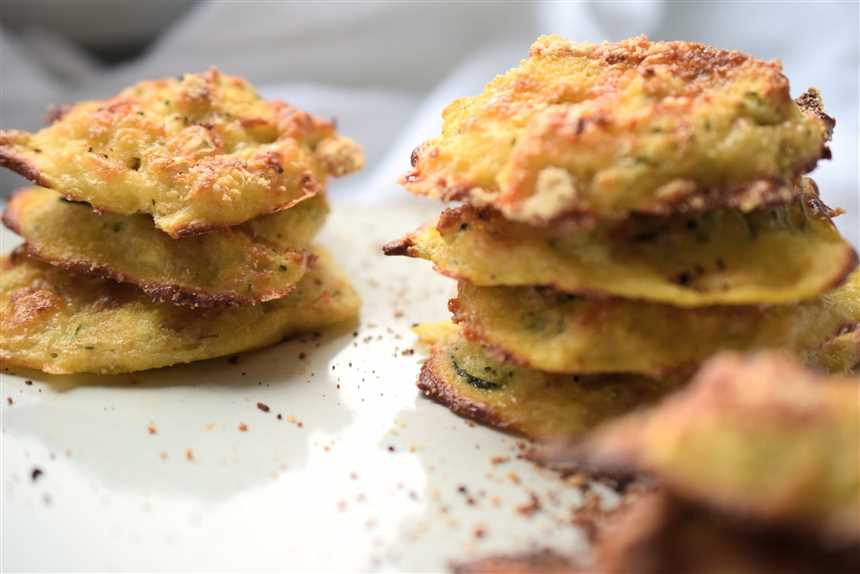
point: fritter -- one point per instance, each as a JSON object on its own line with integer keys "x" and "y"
{"x": 756, "y": 437}
{"x": 723, "y": 257}
{"x": 462, "y": 376}
{"x": 564, "y": 333}
{"x": 229, "y": 266}
{"x": 661, "y": 534}
{"x": 64, "y": 323}
{"x": 198, "y": 153}
{"x": 604, "y": 130}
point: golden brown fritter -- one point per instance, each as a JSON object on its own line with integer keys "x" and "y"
{"x": 197, "y": 153}
{"x": 756, "y": 437}
{"x": 603, "y": 130}
{"x": 725, "y": 257}
{"x": 63, "y": 323}
{"x": 232, "y": 266}
{"x": 563, "y": 333}
{"x": 462, "y": 376}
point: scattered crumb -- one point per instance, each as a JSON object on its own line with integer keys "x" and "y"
{"x": 28, "y": 382}
{"x": 189, "y": 454}
{"x": 151, "y": 429}
{"x": 408, "y": 352}
{"x": 499, "y": 459}
{"x": 530, "y": 507}
{"x": 243, "y": 427}
{"x": 233, "y": 360}
{"x": 263, "y": 407}
{"x": 10, "y": 401}
{"x": 163, "y": 456}
{"x": 36, "y": 473}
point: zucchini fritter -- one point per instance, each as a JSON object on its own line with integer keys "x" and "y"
{"x": 724, "y": 257}
{"x": 462, "y": 376}
{"x": 757, "y": 437}
{"x": 64, "y": 323}
{"x": 603, "y": 130}
{"x": 565, "y": 333}
{"x": 197, "y": 153}
{"x": 242, "y": 265}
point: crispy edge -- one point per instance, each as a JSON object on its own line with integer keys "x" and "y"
{"x": 21, "y": 165}
{"x": 174, "y": 294}
{"x": 437, "y": 389}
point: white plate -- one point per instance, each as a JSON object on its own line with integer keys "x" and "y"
{"x": 375, "y": 478}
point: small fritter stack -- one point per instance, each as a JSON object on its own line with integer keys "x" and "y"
{"x": 628, "y": 210}
{"x": 173, "y": 222}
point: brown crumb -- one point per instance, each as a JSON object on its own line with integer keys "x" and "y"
{"x": 530, "y": 507}
{"x": 36, "y": 473}
{"x": 499, "y": 460}
{"x": 151, "y": 429}
{"x": 480, "y": 532}
{"x": 233, "y": 360}
{"x": 243, "y": 427}
{"x": 303, "y": 356}
{"x": 163, "y": 456}
{"x": 189, "y": 454}
{"x": 263, "y": 407}
{"x": 280, "y": 417}
{"x": 28, "y": 382}
{"x": 408, "y": 352}
{"x": 10, "y": 401}
{"x": 514, "y": 477}
{"x": 398, "y": 313}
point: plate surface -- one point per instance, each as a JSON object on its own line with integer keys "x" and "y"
{"x": 154, "y": 471}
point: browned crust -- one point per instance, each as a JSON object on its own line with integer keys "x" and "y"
{"x": 438, "y": 390}
{"x": 543, "y": 561}
{"x": 22, "y": 166}
{"x": 770, "y": 192}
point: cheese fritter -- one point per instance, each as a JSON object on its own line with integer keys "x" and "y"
{"x": 756, "y": 437}
{"x": 603, "y": 130}
{"x": 723, "y": 257}
{"x": 235, "y": 266}
{"x": 462, "y": 376}
{"x": 564, "y": 333}
{"x": 198, "y": 153}
{"x": 64, "y": 323}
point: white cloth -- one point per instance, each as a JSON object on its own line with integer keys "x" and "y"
{"x": 386, "y": 69}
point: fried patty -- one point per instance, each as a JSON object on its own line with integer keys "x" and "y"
{"x": 757, "y": 437}
{"x": 725, "y": 257}
{"x": 242, "y": 265}
{"x": 563, "y": 333}
{"x": 461, "y": 375}
{"x": 198, "y": 153}
{"x": 62, "y": 323}
{"x": 604, "y": 130}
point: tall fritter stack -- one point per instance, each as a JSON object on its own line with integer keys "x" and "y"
{"x": 628, "y": 210}
{"x": 173, "y": 222}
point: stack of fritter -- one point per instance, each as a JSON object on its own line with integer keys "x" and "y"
{"x": 173, "y": 223}
{"x": 628, "y": 210}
